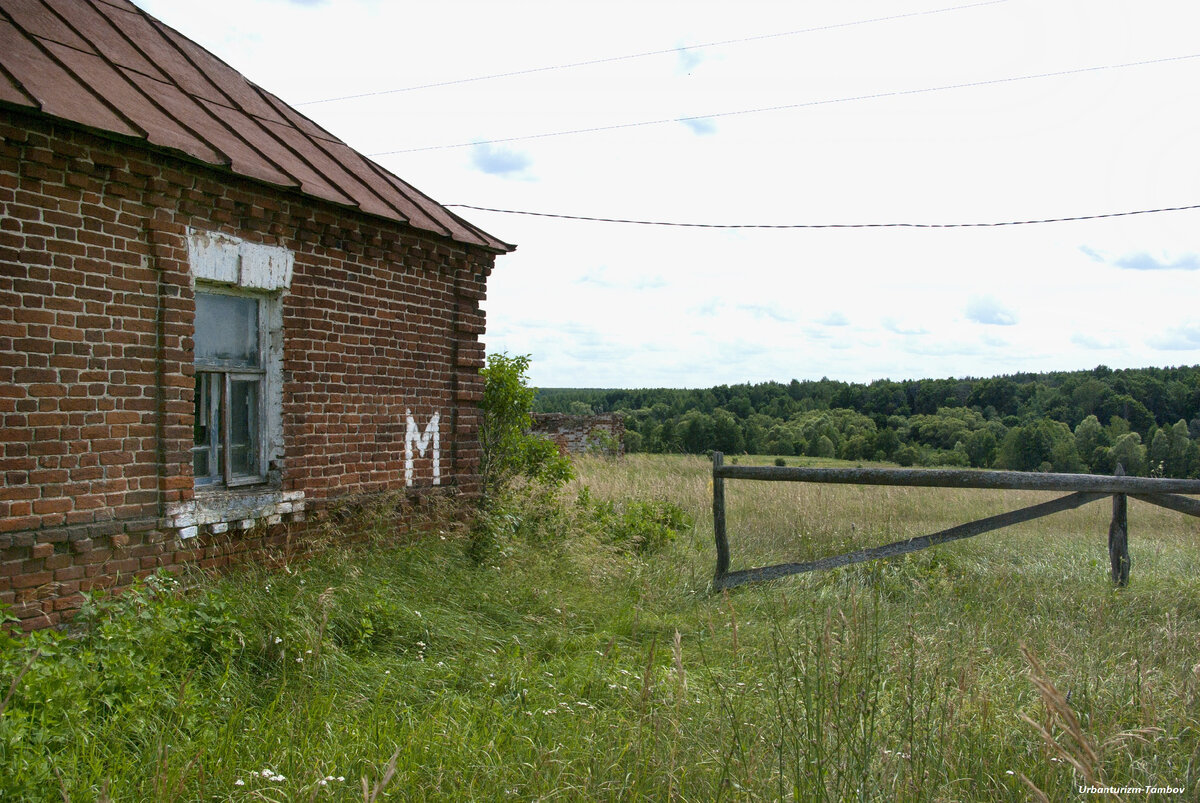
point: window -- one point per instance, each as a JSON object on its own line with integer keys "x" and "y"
{"x": 229, "y": 443}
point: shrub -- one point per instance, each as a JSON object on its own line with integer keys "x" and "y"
{"x": 640, "y": 527}
{"x": 509, "y": 450}
{"x": 125, "y": 674}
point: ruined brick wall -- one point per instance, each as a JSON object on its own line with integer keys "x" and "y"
{"x": 582, "y": 434}
{"x": 380, "y": 323}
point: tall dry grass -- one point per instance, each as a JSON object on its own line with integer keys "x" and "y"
{"x": 950, "y": 640}
{"x": 548, "y": 662}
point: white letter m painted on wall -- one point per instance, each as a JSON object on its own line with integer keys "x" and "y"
{"x": 414, "y": 437}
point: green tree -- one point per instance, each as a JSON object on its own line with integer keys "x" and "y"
{"x": 1192, "y": 460}
{"x": 957, "y": 456}
{"x": 1088, "y": 396}
{"x": 886, "y": 444}
{"x": 508, "y": 449}
{"x": 1064, "y": 457}
{"x": 1159, "y": 453}
{"x": 1039, "y": 445}
{"x": 1177, "y": 453}
{"x": 695, "y": 432}
{"x": 981, "y": 448}
{"x": 1088, "y": 436}
{"x": 1129, "y": 452}
{"x": 823, "y": 447}
{"x": 726, "y": 435}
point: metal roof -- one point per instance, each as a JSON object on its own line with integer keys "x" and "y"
{"x": 109, "y": 66}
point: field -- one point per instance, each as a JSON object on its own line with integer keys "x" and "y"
{"x": 545, "y": 657}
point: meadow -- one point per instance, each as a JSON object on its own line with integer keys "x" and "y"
{"x": 569, "y": 647}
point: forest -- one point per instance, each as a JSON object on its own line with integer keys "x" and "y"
{"x": 1145, "y": 419}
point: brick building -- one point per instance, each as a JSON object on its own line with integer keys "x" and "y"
{"x": 215, "y": 317}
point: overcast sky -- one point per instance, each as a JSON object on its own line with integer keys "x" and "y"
{"x": 879, "y": 129}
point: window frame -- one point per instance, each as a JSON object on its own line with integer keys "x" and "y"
{"x": 219, "y": 441}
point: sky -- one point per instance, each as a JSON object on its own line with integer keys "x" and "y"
{"x": 786, "y": 113}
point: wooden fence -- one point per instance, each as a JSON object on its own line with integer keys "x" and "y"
{"x": 1083, "y": 488}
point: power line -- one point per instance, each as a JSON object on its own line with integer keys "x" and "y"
{"x": 829, "y": 225}
{"x": 805, "y": 104}
{"x": 610, "y": 59}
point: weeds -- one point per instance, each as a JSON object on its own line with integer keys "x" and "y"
{"x": 562, "y": 660}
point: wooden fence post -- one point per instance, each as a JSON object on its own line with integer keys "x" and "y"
{"x": 718, "y": 484}
{"x": 1118, "y": 535}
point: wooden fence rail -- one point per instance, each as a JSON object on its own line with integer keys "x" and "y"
{"x": 1082, "y": 488}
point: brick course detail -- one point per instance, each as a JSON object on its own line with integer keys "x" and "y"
{"x": 381, "y": 322}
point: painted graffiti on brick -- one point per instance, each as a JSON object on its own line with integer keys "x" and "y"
{"x": 414, "y": 437}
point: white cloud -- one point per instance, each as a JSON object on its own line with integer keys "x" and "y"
{"x": 1143, "y": 260}
{"x": 1183, "y": 337}
{"x": 1146, "y": 260}
{"x": 888, "y": 157}
{"x": 700, "y": 125}
{"x": 689, "y": 59}
{"x": 987, "y": 310}
{"x": 834, "y": 319}
{"x": 903, "y": 328}
{"x": 499, "y": 161}
{"x": 763, "y": 311}
{"x": 1095, "y": 343}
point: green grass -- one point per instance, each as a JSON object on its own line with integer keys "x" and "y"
{"x": 541, "y": 660}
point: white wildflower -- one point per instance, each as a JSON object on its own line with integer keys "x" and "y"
{"x": 278, "y": 640}
{"x": 239, "y": 782}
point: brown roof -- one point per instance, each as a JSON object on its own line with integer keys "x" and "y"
{"x": 109, "y": 66}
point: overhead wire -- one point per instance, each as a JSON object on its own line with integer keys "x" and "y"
{"x": 988, "y": 224}
{"x": 645, "y": 54}
{"x": 804, "y": 104}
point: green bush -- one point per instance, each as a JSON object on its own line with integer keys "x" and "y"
{"x": 125, "y": 673}
{"x": 640, "y": 527}
{"x": 508, "y": 448}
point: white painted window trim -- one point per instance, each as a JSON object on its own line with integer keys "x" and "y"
{"x": 224, "y": 264}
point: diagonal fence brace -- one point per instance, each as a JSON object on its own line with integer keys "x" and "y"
{"x": 968, "y": 530}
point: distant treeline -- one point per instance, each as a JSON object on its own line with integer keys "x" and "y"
{"x": 1146, "y": 419}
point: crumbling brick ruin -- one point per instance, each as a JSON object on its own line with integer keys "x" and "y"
{"x": 583, "y": 434}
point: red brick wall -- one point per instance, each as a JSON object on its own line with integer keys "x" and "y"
{"x": 96, "y": 378}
